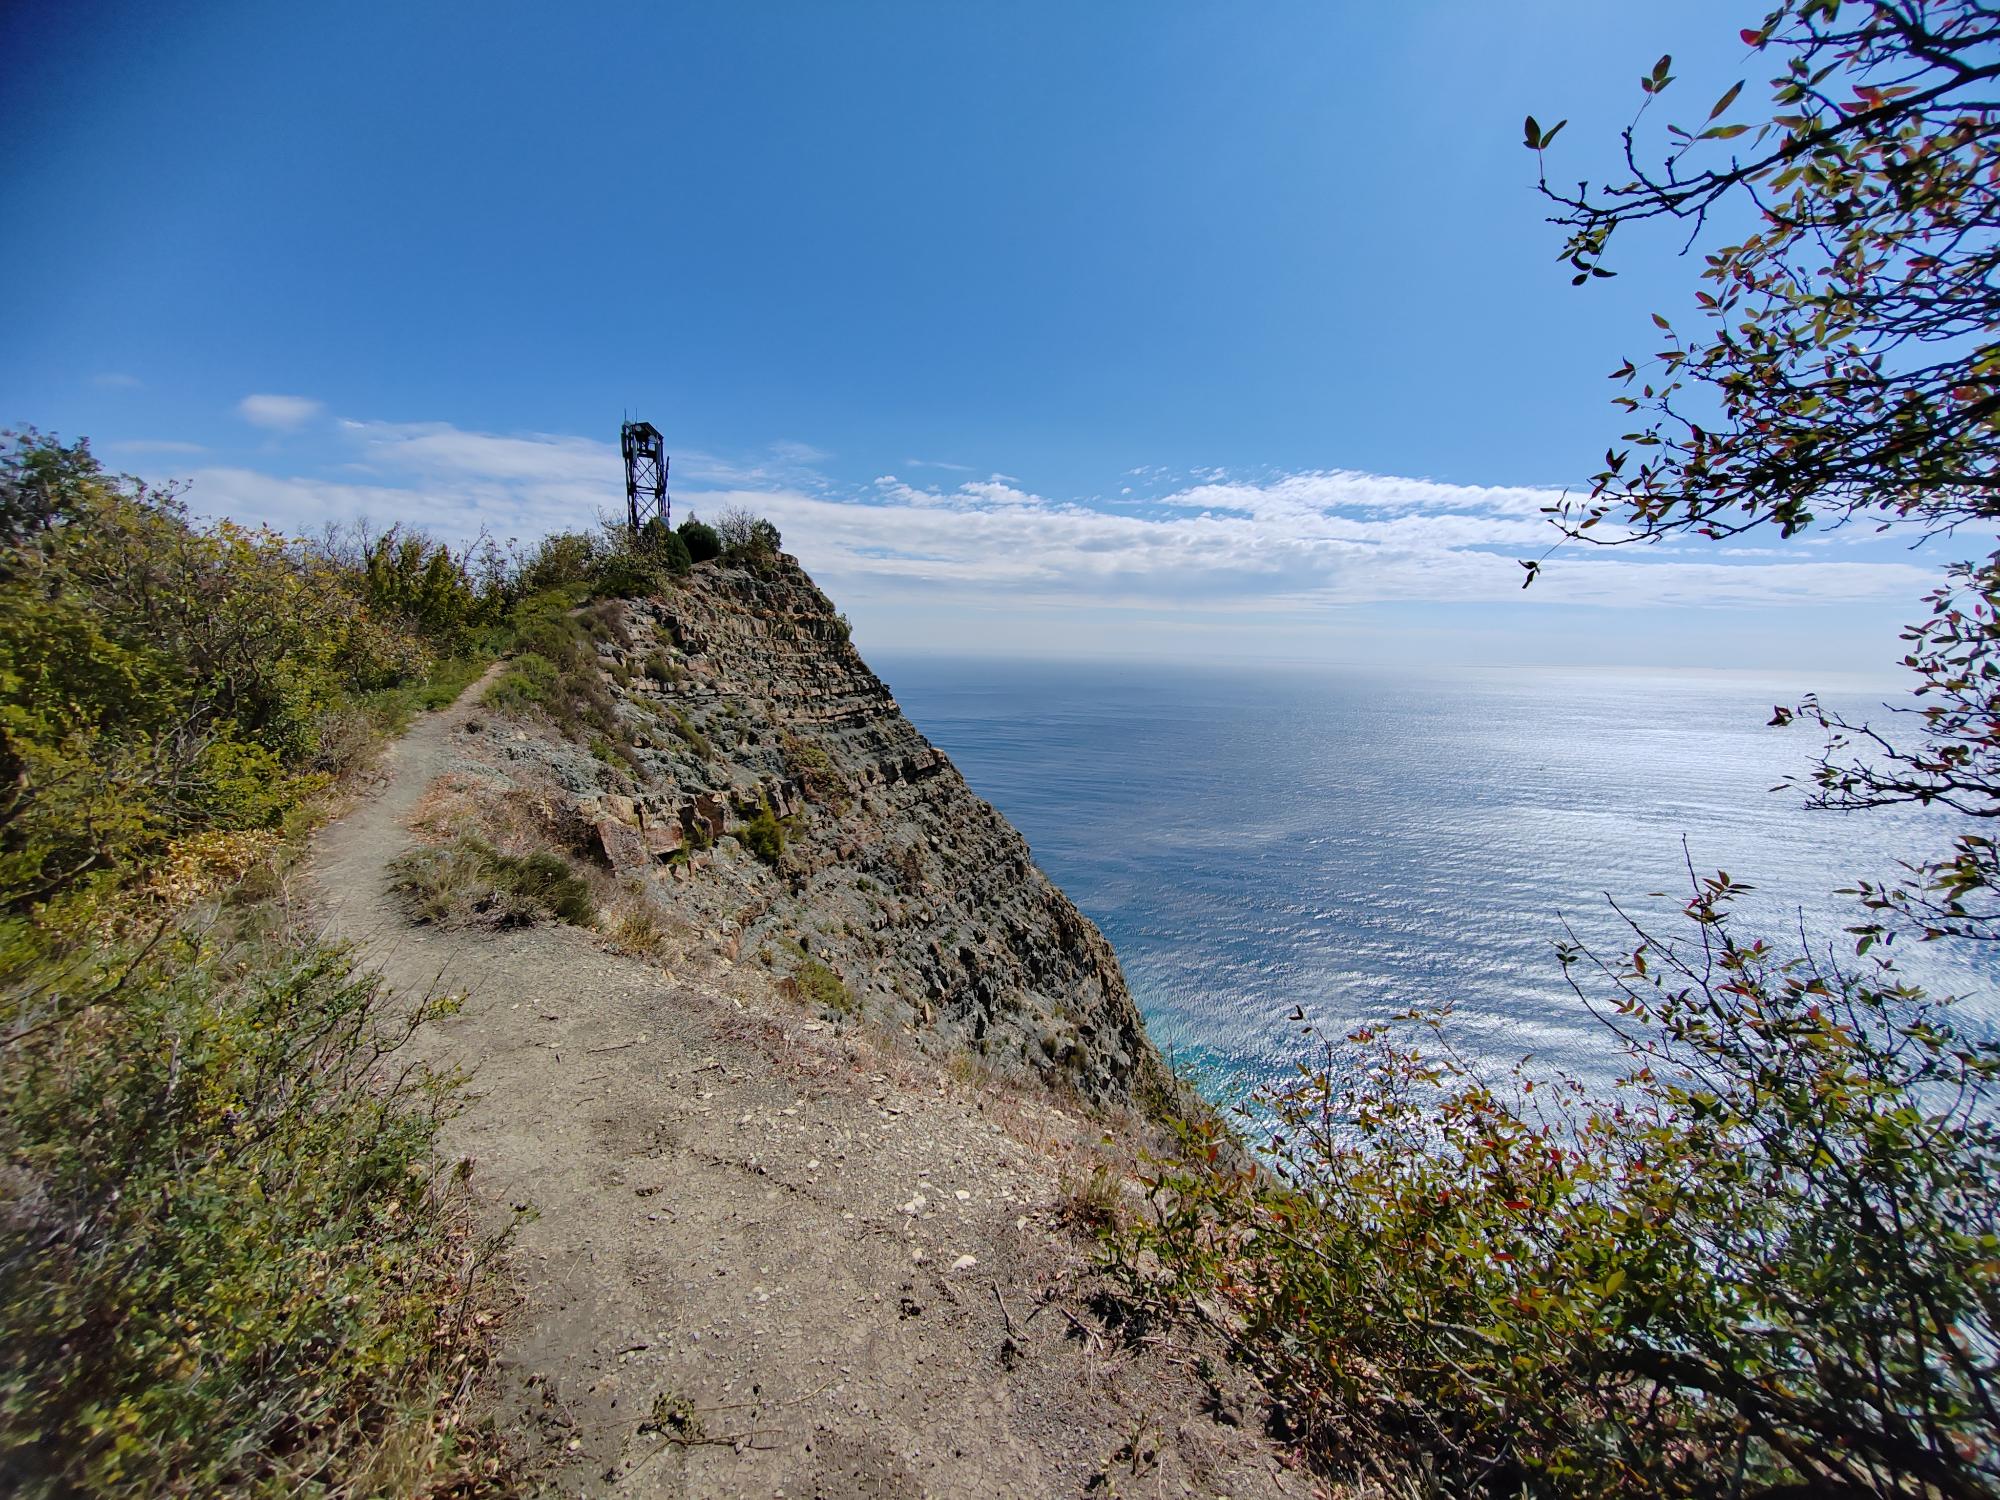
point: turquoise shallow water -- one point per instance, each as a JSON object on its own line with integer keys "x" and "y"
{"x": 1352, "y": 842}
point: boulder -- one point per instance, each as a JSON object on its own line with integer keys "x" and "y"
{"x": 711, "y": 811}
{"x": 664, "y": 837}
{"x": 623, "y": 848}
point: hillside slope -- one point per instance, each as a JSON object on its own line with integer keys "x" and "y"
{"x": 769, "y": 1250}
{"x": 738, "y": 690}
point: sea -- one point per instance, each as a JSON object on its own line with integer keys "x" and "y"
{"x": 1349, "y": 843}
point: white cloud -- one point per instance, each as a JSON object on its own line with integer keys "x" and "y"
{"x": 279, "y": 412}
{"x": 437, "y": 450}
{"x": 1298, "y": 547}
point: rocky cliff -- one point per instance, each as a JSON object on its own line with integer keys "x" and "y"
{"x": 765, "y": 792}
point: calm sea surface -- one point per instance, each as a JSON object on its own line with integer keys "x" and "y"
{"x": 1354, "y": 842}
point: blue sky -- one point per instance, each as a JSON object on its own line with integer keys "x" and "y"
{"x": 1177, "y": 329}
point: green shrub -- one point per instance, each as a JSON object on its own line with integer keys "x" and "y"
{"x": 528, "y": 682}
{"x": 406, "y": 574}
{"x": 763, "y": 835}
{"x": 696, "y": 740}
{"x": 564, "y": 562}
{"x": 1770, "y": 1256}
{"x": 604, "y": 621}
{"x": 665, "y": 546}
{"x": 560, "y": 673}
{"x": 746, "y": 536}
{"x": 700, "y": 539}
{"x": 230, "y": 1260}
{"x": 663, "y": 669}
{"x": 159, "y": 676}
{"x": 820, "y": 986}
{"x": 814, "y": 769}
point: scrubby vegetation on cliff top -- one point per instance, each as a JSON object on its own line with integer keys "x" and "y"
{"x": 231, "y": 1257}
{"x": 1768, "y": 1261}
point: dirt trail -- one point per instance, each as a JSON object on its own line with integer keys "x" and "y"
{"x": 763, "y": 1261}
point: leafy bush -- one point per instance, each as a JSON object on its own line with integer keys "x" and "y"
{"x": 763, "y": 835}
{"x": 665, "y": 546}
{"x": 1771, "y": 1255}
{"x": 627, "y": 571}
{"x": 232, "y": 1259}
{"x": 159, "y": 676}
{"x": 406, "y": 574}
{"x": 702, "y": 543}
{"x": 746, "y": 537}
{"x": 565, "y": 562}
{"x": 529, "y": 682}
{"x": 558, "y": 671}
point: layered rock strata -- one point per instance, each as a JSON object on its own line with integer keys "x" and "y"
{"x": 769, "y": 791}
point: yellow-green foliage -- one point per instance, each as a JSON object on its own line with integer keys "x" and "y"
{"x": 226, "y": 1265}
{"x": 225, "y": 1260}
{"x": 556, "y": 670}
{"x": 159, "y": 676}
{"x": 763, "y": 835}
{"x": 663, "y": 669}
{"x": 814, "y": 769}
{"x": 821, "y": 986}
{"x": 696, "y": 740}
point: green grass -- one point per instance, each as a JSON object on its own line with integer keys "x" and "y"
{"x": 696, "y": 740}
{"x": 391, "y": 709}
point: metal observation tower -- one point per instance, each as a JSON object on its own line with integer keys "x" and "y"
{"x": 645, "y": 474}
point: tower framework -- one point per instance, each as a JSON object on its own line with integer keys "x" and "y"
{"x": 645, "y": 474}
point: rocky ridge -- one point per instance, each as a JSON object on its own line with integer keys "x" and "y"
{"x": 769, "y": 797}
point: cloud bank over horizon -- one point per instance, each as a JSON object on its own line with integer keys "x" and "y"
{"x": 1164, "y": 553}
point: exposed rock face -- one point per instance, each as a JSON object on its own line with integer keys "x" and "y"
{"x": 739, "y": 692}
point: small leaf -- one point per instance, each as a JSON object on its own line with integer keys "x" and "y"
{"x": 1727, "y": 99}
{"x": 1751, "y": 38}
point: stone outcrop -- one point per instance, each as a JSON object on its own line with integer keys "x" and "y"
{"x": 738, "y": 693}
